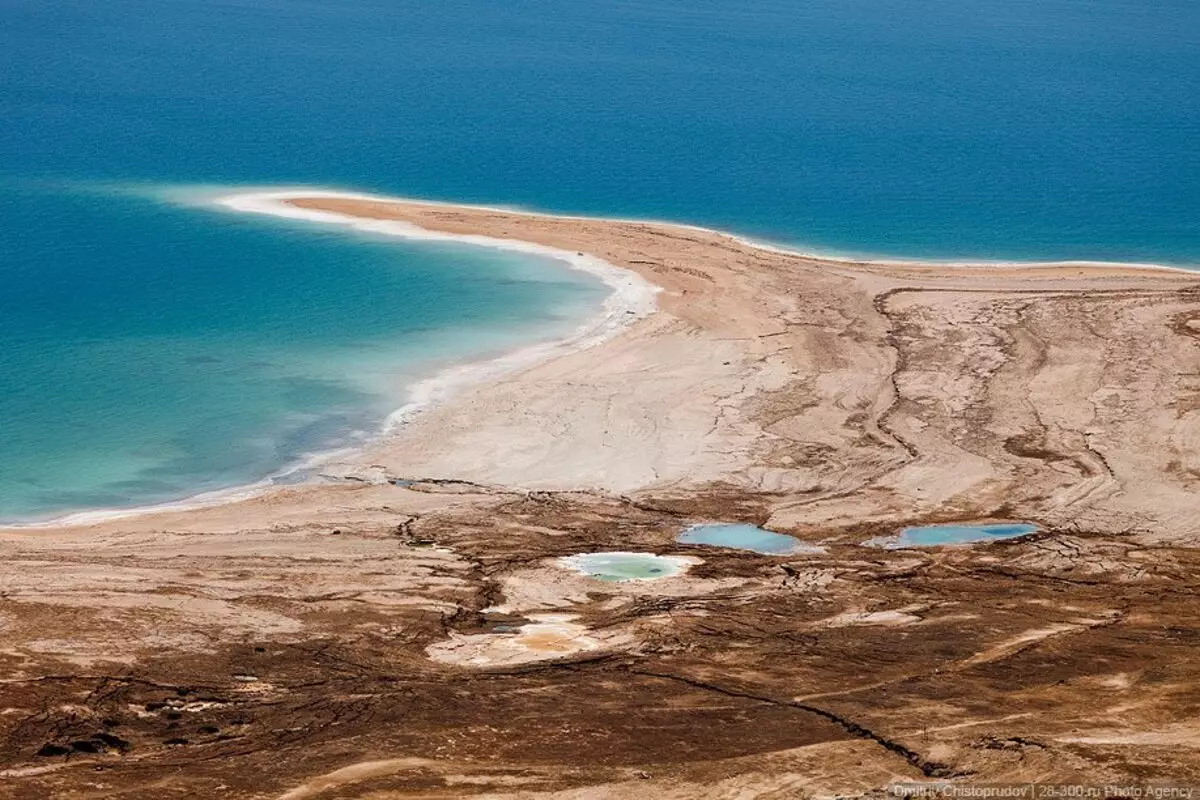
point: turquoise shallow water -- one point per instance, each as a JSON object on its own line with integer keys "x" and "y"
{"x": 149, "y": 350}
{"x": 746, "y": 537}
{"x": 937, "y": 535}
{"x": 207, "y": 349}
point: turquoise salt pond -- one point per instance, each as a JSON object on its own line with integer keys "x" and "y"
{"x": 617, "y": 567}
{"x": 937, "y": 535}
{"x": 741, "y": 536}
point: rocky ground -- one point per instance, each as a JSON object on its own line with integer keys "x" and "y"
{"x": 1059, "y": 656}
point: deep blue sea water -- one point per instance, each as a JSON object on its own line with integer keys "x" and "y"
{"x": 149, "y": 350}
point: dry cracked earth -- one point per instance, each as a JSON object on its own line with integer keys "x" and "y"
{"x": 1058, "y": 656}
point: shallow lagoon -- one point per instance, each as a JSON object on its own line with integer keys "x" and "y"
{"x": 953, "y": 534}
{"x": 742, "y": 536}
{"x": 619, "y": 566}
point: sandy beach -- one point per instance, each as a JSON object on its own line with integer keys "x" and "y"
{"x": 340, "y": 639}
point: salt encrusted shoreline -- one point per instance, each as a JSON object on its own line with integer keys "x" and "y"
{"x": 632, "y": 299}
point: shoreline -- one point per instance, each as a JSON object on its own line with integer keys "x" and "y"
{"x": 831, "y": 257}
{"x": 632, "y": 298}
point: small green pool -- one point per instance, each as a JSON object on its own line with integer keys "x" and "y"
{"x": 616, "y": 567}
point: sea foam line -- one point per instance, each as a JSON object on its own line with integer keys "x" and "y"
{"x": 632, "y": 298}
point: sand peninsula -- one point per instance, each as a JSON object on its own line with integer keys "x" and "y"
{"x": 405, "y": 627}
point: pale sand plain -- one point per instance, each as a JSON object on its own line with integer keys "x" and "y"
{"x": 341, "y": 631}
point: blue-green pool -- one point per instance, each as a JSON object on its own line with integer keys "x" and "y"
{"x": 618, "y": 566}
{"x": 937, "y": 535}
{"x": 742, "y": 536}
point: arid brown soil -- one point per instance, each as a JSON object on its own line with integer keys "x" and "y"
{"x": 1069, "y": 656}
